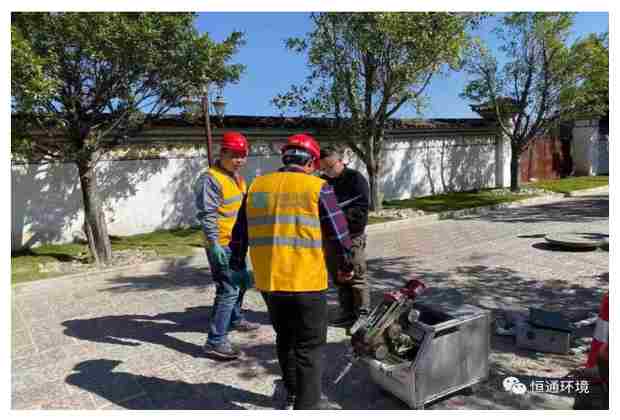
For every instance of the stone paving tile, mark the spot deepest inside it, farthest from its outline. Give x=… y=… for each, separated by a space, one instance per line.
x=148 y=362
x=21 y=339
x=122 y=343
x=37 y=360
x=50 y=396
x=68 y=310
x=17 y=320
x=23 y=380
x=35 y=309
x=46 y=337
x=22 y=352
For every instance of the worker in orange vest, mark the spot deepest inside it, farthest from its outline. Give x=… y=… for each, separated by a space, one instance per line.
x=219 y=193
x=283 y=220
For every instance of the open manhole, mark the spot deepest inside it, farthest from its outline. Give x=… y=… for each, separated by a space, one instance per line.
x=578 y=239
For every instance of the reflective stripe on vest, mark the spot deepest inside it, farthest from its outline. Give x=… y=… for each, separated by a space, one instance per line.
x=284 y=219
x=283 y=241
x=601 y=332
x=284 y=232
x=232 y=198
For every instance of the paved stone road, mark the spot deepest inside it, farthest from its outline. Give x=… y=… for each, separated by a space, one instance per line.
x=134 y=342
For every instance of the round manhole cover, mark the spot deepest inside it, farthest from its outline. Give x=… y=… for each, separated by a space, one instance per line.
x=578 y=240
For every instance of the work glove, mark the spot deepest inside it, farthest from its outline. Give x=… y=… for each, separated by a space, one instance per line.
x=345 y=269
x=244 y=279
x=218 y=256
x=345 y=277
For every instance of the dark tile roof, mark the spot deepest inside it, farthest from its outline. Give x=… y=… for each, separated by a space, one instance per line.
x=300 y=123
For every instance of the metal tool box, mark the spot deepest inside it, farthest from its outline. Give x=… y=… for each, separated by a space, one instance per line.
x=451 y=352
x=545 y=331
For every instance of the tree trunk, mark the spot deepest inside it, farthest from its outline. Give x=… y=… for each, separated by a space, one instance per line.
x=375 y=195
x=514 y=170
x=94 y=219
x=376 y=198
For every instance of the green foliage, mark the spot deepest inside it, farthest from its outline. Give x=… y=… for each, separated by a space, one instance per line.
x=94 y=76
x=455 y=201
x=27 y=265
x=590 y=94
x=543 y=79
x=365 y=66
x=27 y=76
x=85 y=82
x=569 y=184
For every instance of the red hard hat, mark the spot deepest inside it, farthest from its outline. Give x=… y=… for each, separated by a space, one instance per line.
x=305 y=142
x=235 y=141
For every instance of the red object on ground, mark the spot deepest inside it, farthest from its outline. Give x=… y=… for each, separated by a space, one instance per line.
x=601 y=333
x=411 y=290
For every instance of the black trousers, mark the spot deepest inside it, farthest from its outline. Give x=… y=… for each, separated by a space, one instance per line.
x=300 y=322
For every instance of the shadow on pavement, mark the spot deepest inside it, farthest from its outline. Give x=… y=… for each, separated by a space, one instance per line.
x=488 y=287
x=546 y=246
x=138 y=392
x=582 y=210
x=493 y=288
x=125 y=329
x=177 y=279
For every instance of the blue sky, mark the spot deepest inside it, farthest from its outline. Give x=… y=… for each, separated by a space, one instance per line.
x=271 y=69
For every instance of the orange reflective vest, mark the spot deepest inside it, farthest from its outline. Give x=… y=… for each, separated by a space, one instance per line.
x=284 y=233
x=232 y=198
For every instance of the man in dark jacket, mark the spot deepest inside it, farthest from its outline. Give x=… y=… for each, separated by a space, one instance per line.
x=353 y=196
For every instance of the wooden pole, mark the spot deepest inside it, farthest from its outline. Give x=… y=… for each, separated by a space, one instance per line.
x=205 y=109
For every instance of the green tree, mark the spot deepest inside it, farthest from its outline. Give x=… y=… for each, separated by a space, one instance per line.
x=590 y=94
x=95 y=79
x=366 y=66
x=538 y=85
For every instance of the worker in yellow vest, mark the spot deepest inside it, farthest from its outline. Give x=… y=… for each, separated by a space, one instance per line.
x=219 y=193
x=285 y=219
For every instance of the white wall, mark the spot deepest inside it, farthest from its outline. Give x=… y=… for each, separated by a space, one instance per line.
x=585 y=147
x=427 y=166
x=603 y=155
x=144 y=195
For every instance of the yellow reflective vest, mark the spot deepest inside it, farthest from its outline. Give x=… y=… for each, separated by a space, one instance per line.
x=284 y=233
x=232 y=198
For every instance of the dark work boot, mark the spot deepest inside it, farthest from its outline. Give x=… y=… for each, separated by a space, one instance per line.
x=345 y=320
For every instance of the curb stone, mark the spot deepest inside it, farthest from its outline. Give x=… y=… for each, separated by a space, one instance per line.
x=199 y=259
x=435 y=217
x=580 y=193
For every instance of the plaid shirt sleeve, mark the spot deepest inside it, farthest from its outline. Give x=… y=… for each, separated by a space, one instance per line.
x=333 y=221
